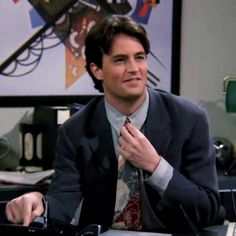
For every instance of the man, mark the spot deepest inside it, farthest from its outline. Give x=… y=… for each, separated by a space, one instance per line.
x=165 y=144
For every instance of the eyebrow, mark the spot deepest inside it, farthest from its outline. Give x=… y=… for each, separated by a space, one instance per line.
x=125 y=55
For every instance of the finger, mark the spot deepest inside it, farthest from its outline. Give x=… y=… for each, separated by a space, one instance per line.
x=28 y=215
x=39 y=209
x=9 y=214
x=27 y=219
x=123 y=152
x=122 y=141
x=13 y=212
x=125 y=134
x=128 y=139
x=132 y=130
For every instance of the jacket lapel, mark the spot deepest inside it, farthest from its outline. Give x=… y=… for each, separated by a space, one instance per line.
x=157 y=130
x=104 y=175
x=102 y=142
x=158 y=124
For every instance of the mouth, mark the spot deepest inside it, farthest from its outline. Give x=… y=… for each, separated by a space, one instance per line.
x=130 y=80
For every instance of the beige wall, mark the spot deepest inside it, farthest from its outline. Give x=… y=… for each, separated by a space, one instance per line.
x=208 y=54
x=208 y=48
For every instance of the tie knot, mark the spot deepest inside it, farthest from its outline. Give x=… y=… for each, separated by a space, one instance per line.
x=127 y=120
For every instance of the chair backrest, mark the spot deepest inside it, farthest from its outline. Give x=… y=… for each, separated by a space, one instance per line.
x=230 y=92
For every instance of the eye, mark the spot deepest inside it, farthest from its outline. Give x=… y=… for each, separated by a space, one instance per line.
x=119 y=60
x=141 y=57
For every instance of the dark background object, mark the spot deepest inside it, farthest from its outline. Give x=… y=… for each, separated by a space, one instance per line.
x=225 y=156
x=31 y=150
x=49 y=118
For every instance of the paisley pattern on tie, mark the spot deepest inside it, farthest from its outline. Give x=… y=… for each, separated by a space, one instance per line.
x=127 y=209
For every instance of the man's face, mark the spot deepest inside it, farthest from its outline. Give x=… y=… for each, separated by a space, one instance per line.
x=124 y=69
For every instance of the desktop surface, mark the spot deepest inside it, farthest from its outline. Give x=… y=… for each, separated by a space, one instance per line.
x=130 y=233
x=18 y=230
x=216 y=230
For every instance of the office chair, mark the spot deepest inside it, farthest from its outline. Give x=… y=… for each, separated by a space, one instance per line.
x=225 y=151
x=229 y=200
x=229 y=89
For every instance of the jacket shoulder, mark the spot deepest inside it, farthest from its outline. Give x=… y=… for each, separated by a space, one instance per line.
x=82 y=117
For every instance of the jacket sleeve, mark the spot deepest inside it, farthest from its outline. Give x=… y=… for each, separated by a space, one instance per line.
x=192 y=192
x=64 y=195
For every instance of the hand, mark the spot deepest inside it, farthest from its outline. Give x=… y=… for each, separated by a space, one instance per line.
x=137 y=149
x=25 y=208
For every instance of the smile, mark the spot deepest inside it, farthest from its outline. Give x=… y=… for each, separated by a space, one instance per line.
x=131 y=80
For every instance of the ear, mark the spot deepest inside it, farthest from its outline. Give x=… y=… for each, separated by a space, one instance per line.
x=97 y=71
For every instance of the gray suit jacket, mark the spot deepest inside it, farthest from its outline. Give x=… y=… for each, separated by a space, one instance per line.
x=86 y=167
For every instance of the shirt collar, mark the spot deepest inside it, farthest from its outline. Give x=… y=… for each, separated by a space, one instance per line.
x=117 y=119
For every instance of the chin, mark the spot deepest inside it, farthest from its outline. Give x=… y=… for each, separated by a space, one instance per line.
x=136 y=91
x=134 y=95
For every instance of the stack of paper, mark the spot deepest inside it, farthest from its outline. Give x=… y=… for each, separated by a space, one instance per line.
x=15 y=177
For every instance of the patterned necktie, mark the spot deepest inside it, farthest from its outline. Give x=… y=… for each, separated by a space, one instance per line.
x=127 y=209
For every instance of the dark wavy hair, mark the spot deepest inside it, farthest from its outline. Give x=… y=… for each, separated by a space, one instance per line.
x=99 y=39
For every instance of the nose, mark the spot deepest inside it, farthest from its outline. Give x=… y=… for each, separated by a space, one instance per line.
x=132 y=65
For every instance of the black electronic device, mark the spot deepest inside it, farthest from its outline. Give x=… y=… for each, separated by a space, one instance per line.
x=224 y=150
x=55 y=228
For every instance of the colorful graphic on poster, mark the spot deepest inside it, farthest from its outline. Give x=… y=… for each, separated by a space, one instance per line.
x=63 y=67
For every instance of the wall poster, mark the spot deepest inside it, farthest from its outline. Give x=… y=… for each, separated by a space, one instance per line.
x=52 y=66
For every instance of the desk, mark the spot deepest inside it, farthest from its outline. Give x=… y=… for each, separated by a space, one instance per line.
x=226 y=182
x=219 y=230
x=130 y=233
x=227 y=189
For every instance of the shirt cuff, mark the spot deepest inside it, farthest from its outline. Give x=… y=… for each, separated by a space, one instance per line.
x=45 y=213
x=161 y=176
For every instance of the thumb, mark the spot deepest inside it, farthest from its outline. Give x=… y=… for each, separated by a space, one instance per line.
x=31 y=213
x=27 y=218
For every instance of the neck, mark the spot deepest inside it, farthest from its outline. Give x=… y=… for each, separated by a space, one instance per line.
x=127 y=105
